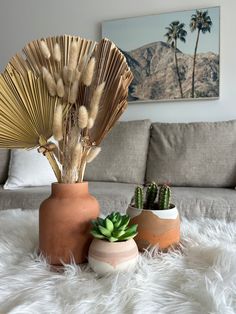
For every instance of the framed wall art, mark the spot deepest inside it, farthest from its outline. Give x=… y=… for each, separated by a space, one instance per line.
x=173 y=56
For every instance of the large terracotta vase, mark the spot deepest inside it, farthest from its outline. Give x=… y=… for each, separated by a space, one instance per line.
x=155 y=227
x=65 y=222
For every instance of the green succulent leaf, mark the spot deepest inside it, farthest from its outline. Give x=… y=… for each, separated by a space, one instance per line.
x=115 y=227
x=118 y=234
x=127 y=237
x=97 y=235
x=113 y=239
x=132 y=228
x=118 y=222
x=104 y=231
x=125 y=220
x=101 y=222
x=109 y=225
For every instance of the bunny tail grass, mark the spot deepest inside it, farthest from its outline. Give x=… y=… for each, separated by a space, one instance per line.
x=57 y=53
x=93 y=154
x=57 y=123
x=83 y=117
x=88 y=72
x=44 y=49
x=73 y=57
x=60 y=88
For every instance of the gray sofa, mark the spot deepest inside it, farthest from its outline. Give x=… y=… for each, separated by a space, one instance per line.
x=197 y=159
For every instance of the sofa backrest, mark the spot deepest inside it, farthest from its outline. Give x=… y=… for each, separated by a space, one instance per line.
x=123 y=155
x=4 y=164
x=193 y=154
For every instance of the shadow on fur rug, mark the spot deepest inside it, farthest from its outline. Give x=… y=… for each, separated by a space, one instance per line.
x=200 y=280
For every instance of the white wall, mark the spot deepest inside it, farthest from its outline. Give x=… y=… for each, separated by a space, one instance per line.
x=24 y=20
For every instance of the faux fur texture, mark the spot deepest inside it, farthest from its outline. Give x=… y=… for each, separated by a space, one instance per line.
x=200 y=278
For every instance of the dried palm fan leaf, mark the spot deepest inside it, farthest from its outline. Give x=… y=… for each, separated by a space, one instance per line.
x=33 y=59
x=86 y=80
x=26 y=112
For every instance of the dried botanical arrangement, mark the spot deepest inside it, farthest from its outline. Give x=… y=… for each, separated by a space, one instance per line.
x=67 y=87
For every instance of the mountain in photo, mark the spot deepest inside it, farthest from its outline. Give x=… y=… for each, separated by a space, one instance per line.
x=155 y=75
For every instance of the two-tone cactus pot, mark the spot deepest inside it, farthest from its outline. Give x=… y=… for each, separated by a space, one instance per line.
x=157 y=219
x=159 y=228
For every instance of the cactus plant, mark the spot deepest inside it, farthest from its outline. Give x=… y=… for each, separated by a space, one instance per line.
x=138 y=197
x=164 y=197
x=151 y=195
x=115 y=227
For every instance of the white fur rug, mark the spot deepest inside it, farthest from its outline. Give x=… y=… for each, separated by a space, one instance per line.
x=201 y=279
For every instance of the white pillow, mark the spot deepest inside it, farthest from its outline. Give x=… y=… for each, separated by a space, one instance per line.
x=28 y=168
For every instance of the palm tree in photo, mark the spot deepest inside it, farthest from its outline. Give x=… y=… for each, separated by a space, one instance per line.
x=176 y=31
x=201 y=22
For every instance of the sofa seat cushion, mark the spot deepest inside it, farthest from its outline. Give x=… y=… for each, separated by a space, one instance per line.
x=124 y=154
x=199 y=154
x=111 y=196
x=216 y=203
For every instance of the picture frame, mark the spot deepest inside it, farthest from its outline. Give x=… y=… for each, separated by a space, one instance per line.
x=173 y=56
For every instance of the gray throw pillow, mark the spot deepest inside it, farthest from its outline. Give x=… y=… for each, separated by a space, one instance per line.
x=124 y=154
x=193 y=154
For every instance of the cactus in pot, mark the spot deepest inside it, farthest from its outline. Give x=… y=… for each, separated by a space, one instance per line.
x=164 y=197
x=151 y=195
x=113 y=248
x=138 y=197
x=158 y=220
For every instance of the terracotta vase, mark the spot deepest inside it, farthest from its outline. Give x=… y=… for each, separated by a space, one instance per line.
x=155 y=227
x=108 y=257
x=65 y=222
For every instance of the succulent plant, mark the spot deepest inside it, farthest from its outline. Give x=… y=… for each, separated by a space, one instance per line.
x=151 y=195
x=114 y=228
x=164 y=197
x=138 y=197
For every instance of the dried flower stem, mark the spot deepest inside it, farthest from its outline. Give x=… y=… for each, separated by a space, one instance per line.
x=73 y=92
x=83 y=164
x=76 y=157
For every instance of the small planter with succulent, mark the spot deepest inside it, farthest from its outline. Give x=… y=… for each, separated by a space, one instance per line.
x=158 y=220
x=113 y=248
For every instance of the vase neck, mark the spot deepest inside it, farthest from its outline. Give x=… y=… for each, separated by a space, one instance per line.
x=69 y=189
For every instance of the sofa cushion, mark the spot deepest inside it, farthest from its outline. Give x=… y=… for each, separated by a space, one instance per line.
x=193 y=154
x=111 y=196
x=4 y=163
x=28 y=168
x=216 y=203
x=123 y=156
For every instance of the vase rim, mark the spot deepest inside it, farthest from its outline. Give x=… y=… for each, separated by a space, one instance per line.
x=75 y=183
x=117 y=243
x=69 y=189
x=154 y=210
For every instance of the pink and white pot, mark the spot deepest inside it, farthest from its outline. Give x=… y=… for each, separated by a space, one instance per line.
x=108 y=257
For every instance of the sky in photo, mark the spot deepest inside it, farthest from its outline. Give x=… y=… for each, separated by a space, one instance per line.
x=132 y=33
